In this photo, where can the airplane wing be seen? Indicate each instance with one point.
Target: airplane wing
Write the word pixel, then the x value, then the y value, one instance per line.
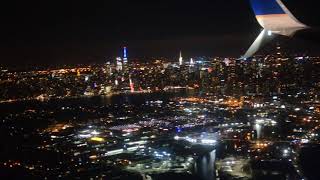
pixel 263 38
pixel 275 18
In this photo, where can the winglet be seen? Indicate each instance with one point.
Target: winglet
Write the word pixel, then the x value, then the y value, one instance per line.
pixel 273 15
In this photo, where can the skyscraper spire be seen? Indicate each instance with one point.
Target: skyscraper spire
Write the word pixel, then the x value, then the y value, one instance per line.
pixel 191 62
pixel 180 59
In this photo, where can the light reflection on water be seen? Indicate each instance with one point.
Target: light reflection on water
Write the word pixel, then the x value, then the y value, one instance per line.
pixel 258 129
pixel 204 166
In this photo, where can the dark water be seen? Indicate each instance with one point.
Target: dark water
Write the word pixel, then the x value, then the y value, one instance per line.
pixel 204 166
pixel 132 99
pixel 309 160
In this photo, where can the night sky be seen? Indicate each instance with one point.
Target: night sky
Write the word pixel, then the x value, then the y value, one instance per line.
pixel 55 32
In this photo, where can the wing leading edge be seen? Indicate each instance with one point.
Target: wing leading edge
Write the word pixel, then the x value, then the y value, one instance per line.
pixel 276 19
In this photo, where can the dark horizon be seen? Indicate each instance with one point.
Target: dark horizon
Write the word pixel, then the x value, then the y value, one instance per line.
pixel 44 33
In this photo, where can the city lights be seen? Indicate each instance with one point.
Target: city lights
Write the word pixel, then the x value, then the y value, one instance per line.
pixel 127 90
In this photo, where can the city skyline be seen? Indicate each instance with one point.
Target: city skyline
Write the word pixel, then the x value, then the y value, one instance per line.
pixel 201 119
pixel 79 32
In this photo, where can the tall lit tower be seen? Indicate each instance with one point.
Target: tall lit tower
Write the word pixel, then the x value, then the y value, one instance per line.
pixel 180 59
pixel 125 57
pixel 191 62
pixel 119 63
pixel 131 85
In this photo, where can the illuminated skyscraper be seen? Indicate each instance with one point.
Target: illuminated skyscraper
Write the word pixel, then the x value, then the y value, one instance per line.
pixel 108 68
pixel 191 65
pixel 119 63
pixel 227 61
pixel 131 85
pixel 125 57
pixel 191 62
pixel 78 72
pixel 180 59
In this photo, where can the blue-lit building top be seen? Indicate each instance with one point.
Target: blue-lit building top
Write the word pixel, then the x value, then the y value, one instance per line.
pixel 125 57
